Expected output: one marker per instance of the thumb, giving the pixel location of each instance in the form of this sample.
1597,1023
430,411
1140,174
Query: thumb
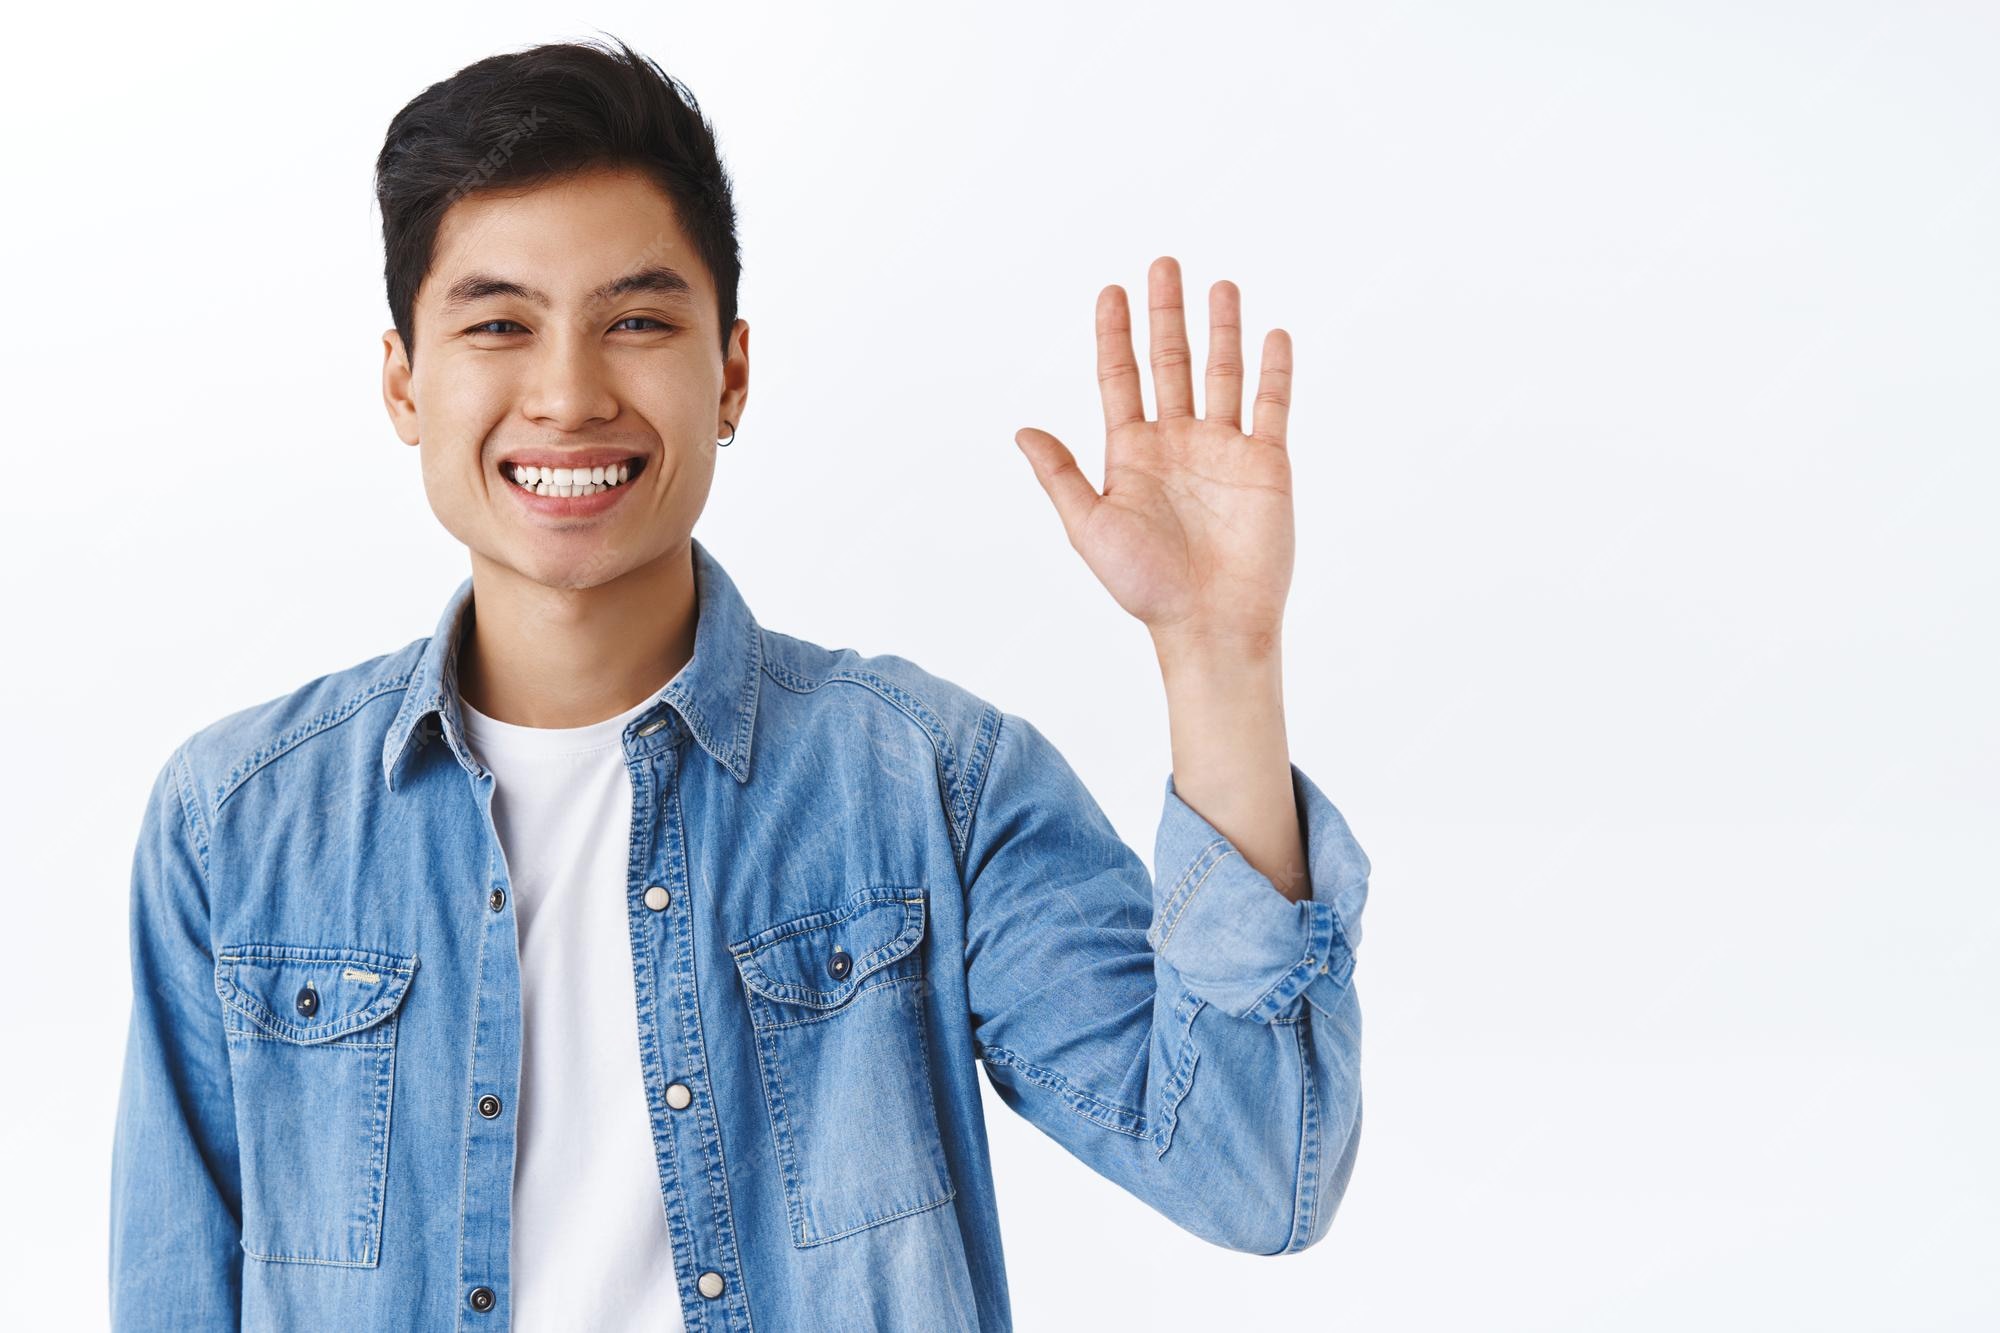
1063,481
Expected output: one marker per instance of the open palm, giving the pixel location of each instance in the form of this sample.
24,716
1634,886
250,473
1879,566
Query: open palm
1193,530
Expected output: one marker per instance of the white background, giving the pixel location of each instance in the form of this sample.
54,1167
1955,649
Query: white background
1643,625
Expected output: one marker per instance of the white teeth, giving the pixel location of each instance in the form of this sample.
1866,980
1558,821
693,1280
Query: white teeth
563,481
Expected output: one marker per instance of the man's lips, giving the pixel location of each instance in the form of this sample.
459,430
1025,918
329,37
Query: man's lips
571,493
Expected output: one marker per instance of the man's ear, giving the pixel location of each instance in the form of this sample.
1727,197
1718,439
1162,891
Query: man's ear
396,397
736,375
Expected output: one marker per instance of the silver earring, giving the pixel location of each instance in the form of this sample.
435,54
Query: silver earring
732,434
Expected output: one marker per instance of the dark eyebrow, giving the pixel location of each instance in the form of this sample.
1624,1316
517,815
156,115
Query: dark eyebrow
656,278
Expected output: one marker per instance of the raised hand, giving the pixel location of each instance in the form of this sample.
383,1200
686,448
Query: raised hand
1193,530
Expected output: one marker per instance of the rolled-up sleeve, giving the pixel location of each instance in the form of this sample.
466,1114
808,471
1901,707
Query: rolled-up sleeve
1189,1033
1233,938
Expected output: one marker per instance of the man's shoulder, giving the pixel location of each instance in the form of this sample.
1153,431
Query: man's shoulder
807,668
959,723
226,752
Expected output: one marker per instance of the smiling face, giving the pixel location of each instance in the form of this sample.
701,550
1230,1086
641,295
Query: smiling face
572,325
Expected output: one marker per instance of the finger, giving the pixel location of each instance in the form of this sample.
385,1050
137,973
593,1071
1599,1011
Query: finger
1117,369
1222,394
1173,389
1063,481
1274,388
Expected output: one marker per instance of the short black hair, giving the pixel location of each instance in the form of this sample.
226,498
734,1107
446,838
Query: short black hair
526,118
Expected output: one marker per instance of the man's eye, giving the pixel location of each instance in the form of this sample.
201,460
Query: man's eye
643,319
487,327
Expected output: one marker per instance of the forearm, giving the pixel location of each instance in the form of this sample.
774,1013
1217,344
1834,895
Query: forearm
1226,713
1172,1027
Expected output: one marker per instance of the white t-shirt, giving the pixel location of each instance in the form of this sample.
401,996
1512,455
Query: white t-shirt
590,1247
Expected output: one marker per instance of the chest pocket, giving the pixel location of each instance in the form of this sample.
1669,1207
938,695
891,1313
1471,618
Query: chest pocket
311,1033
837,1006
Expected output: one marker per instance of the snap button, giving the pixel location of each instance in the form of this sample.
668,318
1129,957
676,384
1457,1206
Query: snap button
496,900
308,1001
482,1299
839,965
678,1096
709,1284
1309,960
489,1106
653,726
657,898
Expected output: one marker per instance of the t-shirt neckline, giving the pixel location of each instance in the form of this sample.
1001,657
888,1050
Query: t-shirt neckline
547,742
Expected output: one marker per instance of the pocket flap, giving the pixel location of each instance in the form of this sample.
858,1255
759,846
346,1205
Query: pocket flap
352,988
795,961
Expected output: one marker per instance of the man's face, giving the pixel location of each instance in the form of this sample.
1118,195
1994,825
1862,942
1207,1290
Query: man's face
552,329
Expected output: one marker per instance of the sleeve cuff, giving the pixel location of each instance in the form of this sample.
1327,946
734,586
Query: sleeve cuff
1234,939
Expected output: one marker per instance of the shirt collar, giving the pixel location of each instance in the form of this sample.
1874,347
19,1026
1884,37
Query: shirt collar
715,694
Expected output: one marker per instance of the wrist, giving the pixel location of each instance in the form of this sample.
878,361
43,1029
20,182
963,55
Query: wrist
1199,652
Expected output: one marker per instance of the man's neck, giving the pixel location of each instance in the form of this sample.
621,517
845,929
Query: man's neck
537,656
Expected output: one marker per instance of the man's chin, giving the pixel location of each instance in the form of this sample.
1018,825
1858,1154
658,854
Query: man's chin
558,571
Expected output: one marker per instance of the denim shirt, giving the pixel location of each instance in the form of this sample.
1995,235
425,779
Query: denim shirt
850,883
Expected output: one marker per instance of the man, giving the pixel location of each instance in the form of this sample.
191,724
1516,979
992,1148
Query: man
607,960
